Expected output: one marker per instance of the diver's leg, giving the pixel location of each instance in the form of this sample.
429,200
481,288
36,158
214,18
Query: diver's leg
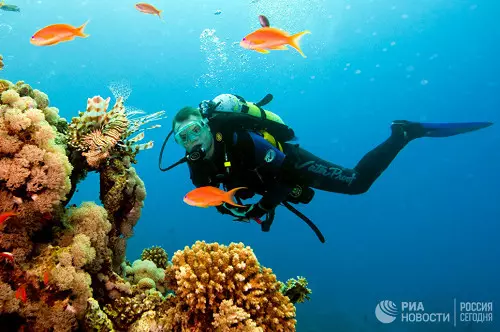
315,172
310,170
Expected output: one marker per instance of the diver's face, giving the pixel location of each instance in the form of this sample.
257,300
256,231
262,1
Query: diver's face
192,132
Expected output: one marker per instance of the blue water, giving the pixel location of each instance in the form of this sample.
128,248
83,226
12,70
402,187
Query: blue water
427,231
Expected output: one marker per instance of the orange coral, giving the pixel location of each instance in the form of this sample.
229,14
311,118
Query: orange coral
224,286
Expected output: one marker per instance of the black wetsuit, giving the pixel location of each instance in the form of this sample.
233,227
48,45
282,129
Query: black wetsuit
267,171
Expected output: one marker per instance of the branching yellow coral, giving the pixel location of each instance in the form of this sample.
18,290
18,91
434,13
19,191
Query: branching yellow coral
34,170
205,275
231,318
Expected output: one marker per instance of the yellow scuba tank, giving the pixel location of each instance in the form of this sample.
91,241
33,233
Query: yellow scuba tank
236,104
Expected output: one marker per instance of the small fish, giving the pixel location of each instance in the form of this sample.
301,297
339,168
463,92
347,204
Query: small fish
7,255
57,33
1,62
6,215
264,22
46,277
218,12
9,8
264,39
21,293
211,196
146,8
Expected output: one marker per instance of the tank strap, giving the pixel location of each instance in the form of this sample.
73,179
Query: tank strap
245,109
262,113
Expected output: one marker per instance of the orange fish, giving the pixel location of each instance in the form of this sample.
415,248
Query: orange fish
211,196
21,293
6,215
266,38
148,9
57,33
46,277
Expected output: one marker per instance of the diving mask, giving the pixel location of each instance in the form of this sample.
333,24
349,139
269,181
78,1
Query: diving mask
190,132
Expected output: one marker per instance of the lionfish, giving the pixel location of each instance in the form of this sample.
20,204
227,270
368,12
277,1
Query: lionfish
99,133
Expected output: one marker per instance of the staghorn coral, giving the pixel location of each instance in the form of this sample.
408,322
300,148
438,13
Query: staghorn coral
205,275
157,255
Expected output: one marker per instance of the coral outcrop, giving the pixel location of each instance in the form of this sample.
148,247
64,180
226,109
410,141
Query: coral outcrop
209,277
64,267
157,255
34,168
296,290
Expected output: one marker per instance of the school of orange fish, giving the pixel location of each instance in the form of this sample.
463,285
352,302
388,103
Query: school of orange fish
262,40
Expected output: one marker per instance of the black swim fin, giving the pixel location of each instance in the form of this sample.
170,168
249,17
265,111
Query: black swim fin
436,129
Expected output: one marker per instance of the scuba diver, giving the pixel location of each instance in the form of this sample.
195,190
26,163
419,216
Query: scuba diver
236,143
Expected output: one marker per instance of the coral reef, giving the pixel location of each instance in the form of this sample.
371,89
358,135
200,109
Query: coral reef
64,267
34,168
1,62
204,276
296,290
157,255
